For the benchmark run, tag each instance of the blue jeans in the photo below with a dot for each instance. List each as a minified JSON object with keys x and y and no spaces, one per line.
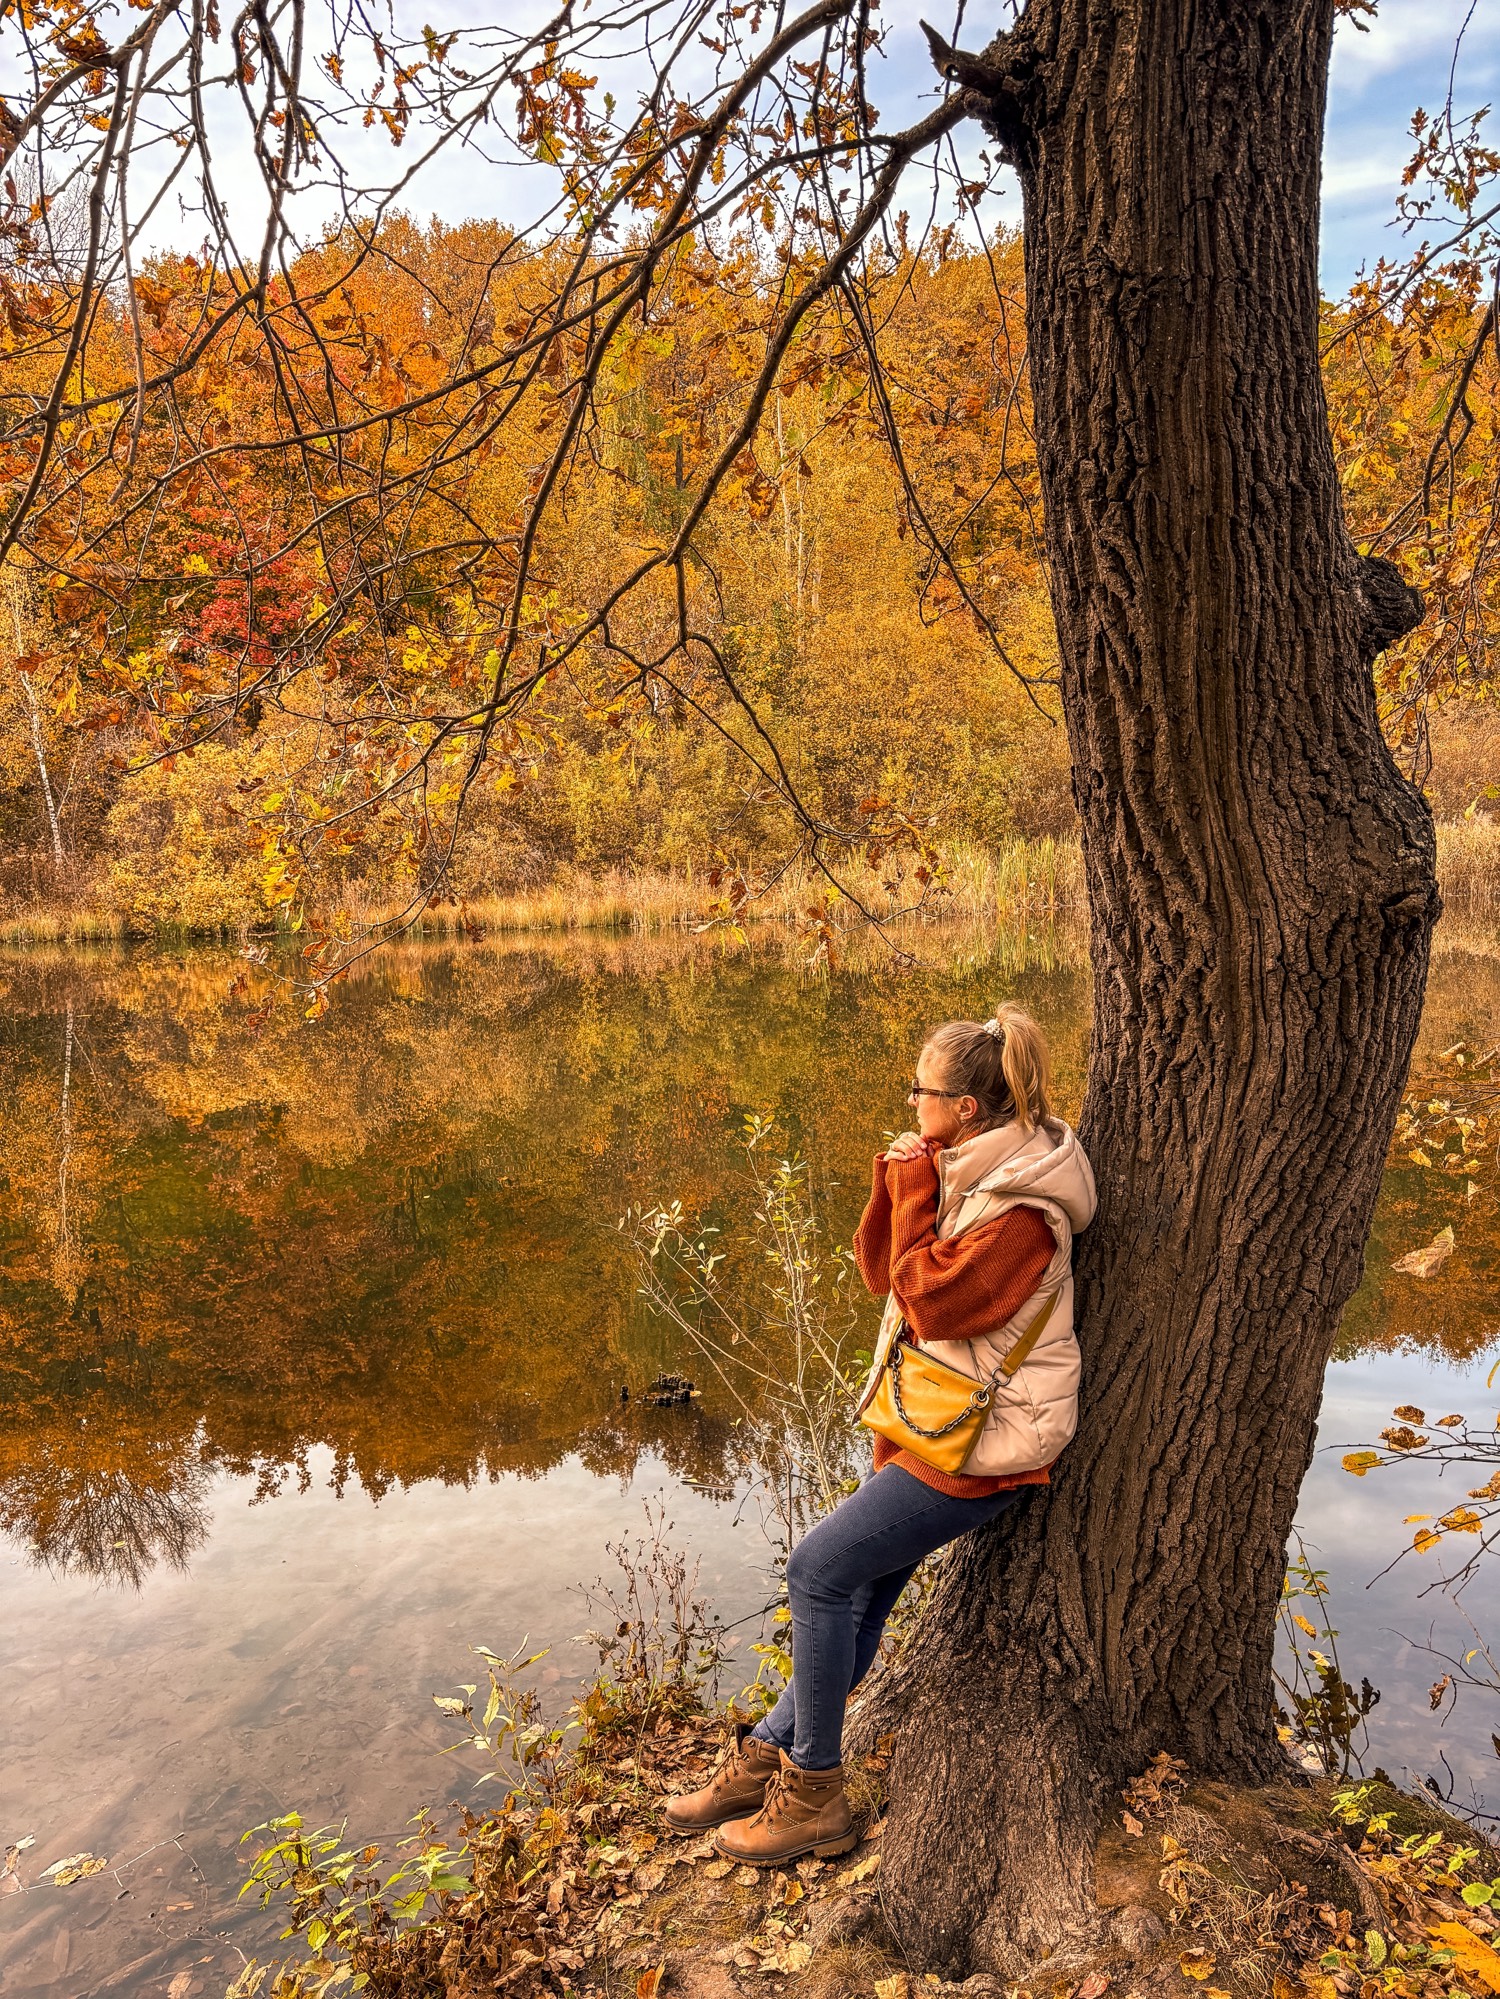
{"x":843,"y":1578}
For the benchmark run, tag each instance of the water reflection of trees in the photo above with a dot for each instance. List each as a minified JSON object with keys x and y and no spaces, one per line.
{"x":111,"y":1507}
{"x":389,"y":1235}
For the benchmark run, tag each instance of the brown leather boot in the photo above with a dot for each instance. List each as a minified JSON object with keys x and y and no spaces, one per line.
{"x":805,"y":1812}
{"x":737,"y":1787}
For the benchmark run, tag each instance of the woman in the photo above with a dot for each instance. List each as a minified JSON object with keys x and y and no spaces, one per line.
{"x":969,"y":1230}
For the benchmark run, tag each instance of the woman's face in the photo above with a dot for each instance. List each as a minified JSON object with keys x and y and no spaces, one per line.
{"x":940,"y":1117}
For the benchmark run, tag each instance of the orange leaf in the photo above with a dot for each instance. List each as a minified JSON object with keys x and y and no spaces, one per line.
{"x":649,"y":1982}
{"x":1470,"y":1953}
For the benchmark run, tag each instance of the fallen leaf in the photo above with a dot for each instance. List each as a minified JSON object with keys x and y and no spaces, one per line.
{"x":717,"y":1869}
{"x":747,"y":1877}
{"x":860,"y":1871}
{"x":898,"y":1986}
{"x":176,"y":1908}
{"x":1470,"y":1953}
{"x":1093,"y":1987}
{"x":1196,"y":1964}
{"x":75,"y":1868}
{"x":647,"y":1984}
{"x":1132,"y":1824}
{"x":181,"y":1985}
{"x":649,"y":1878}
{"x":1423,"y":1262}
{"x":792,"y":1957}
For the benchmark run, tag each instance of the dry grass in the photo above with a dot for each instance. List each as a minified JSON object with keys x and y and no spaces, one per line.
{"x":1032,"y":889}
{"x":63,"y":926}
{"x":1469,"y":863}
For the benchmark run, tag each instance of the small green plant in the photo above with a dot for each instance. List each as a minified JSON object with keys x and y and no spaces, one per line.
{"x":336,"y":1901}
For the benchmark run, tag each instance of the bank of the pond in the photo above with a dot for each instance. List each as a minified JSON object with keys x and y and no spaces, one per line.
{"x":573,"y":1886}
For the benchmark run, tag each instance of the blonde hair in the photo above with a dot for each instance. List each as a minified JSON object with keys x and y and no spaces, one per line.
{"x":1002,"y":1063}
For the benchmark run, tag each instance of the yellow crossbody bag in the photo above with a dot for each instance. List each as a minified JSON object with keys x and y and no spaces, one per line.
{"x":934,"y":1411}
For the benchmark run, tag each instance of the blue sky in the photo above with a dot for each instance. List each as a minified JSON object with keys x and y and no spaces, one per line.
{"x":1378,"y":79}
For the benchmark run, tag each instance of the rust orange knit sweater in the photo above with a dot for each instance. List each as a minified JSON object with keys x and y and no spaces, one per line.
{"x":948,"y":1289}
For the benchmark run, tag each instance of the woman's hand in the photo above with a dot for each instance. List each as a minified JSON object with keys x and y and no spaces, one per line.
{"x":911,"y":1145}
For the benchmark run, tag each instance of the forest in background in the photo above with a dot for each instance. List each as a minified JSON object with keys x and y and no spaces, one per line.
{"x":902,"y":666}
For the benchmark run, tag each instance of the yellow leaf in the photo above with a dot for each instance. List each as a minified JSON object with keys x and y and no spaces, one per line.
{"x":1359,"y":1462}
{"x":1462,"y":1520}
{"x":1419,"y":1159}
{"x":1423,"y":1539}
{"x":1412,"y":1518}
{"x":897,"y":1986}
{"x":1197,"y":1964}
{"x":860,"y":1871}
{"x":1303,"y":1625}
{"x":1470,"y":1953}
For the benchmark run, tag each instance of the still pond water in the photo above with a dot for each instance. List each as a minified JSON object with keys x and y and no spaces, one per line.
{"x":312,"y":1343}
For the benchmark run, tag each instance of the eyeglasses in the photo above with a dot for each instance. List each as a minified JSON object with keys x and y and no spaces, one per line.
{"x":916,"y":1089}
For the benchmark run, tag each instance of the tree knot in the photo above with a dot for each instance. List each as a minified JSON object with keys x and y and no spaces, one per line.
{"x":1389,"y":607}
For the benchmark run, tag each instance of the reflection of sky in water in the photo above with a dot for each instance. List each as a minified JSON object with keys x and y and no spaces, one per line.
{"x":292,"y":1666}
{"x":1352,"y":1527}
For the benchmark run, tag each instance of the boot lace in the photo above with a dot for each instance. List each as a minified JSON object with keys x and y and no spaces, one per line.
{"x":778,"y":1797}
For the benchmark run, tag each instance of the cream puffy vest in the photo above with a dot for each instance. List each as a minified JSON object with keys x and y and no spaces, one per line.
{"x":1035,"y":1411}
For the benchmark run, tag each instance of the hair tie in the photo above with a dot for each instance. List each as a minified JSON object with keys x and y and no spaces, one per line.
{"x":994,"y":1027}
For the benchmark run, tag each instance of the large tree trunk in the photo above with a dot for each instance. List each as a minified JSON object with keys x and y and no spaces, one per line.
{"x":1262,"y":893}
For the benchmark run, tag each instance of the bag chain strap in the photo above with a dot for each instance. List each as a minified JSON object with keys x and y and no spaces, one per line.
{"x":980,"y":1399}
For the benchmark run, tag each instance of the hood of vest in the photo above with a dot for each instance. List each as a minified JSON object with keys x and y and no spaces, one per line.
{"x":1011,"y":1163}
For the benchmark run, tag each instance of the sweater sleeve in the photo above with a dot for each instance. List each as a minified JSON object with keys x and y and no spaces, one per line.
{"x":970,"y":1283}
{"x":872,"y":1239}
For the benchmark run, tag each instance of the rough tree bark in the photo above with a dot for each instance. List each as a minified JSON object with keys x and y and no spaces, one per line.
{"x":1262,"y":893}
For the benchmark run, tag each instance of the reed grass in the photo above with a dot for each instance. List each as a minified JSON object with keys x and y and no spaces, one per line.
{"x":1024,"y":887}
{"x":64,"y":926}
{"x":1468,"y":856}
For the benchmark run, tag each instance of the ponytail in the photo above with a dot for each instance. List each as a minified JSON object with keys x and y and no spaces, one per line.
{"x":1002,"y":1063}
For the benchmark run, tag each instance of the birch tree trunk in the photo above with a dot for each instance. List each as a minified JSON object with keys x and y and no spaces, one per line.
{"x":1262,"y":893}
